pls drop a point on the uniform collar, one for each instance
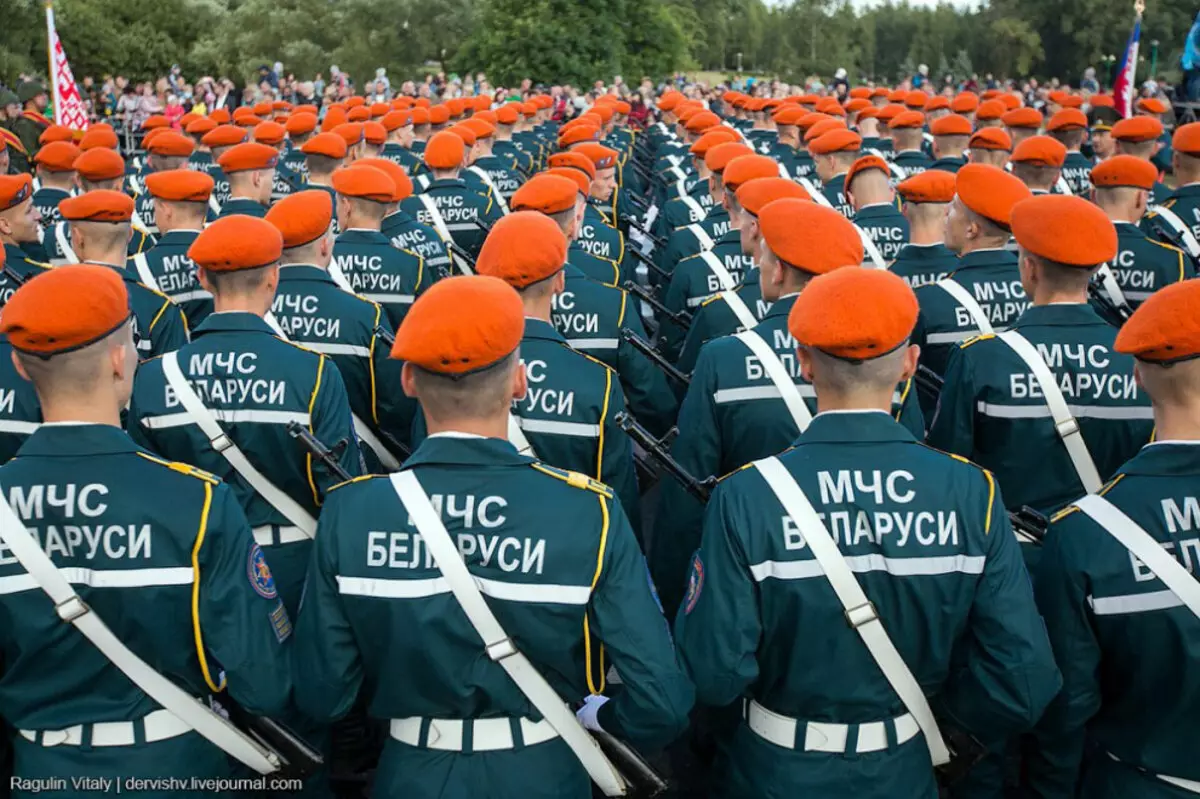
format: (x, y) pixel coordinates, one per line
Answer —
(831, 427)
(876, 210)
(73, 440)
(1166, 458)
(781, 307)
(574, 272)
(731, 236)
(1070, 315)
(180, 236)
(362, 236)
(1128, 230)
(988, 257)
(397, 217)
(458, 450)
(539, 329)
(232, 322)
(444, 183)
(304, 272)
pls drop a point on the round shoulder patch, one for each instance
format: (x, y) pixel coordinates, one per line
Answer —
(695, 584)
(260, 574)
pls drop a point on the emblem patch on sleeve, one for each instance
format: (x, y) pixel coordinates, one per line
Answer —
(260, 574)
(281, 623)
(695, 584)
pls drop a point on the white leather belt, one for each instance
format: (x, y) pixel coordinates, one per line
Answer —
(820, 736)
(159, 726)
(275, 534)
(1191, 786)
(486, 735)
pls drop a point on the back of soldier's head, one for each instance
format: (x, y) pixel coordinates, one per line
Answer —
(238, 260)
(100, 224)
(1036, 176)
(1139, 149)
(1163, 335)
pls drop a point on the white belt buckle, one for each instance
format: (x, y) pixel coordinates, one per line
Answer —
(72, 608)
(221, 442)
(862, 614)
(1067, 427)
(501, 650)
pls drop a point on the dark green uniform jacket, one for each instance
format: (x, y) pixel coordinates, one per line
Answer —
(935, 554)
(381, 272)
(693, 281)
(160, 324)
(204, 162)
(1077, 172)
(835, 192)
(950, 163)
(243, 206)
(992, 410)
(1128, 649)
(460, 207)
(1143, 265)
(406, 233)
(20, 413)
(502, 173)
(1185, 202)
(558, 591)
(684, 210)
(885, 226)
(922, 264)
(256, 383)
(605, 247)
(60, 234)
(715, 318)
(174, 274)
(684, 242)
(161, 553)
(909, 163)
(17, 261)
(46, 200)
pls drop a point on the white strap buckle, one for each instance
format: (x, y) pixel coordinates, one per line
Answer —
(862, 614)
(221, 443)
(501, 650)
(1067, 427)
(72, 608)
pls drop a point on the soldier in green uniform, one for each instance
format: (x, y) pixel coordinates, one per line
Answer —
(99, 168)
(584, 253)
(284, 181)
(178, 579)
(448, 205)
(501, 175)
(250, 167)
(907, 129)
(1140, 137)
(32, 123)
(398, 149)
(926, 259)
(990, 146)
(20, 413)
(14, 148)
(858, 495)
(300, 127)
(591, 316)
(505, 146)
(569, 602)
(834, 153)
(99, 222)
(691, 206)
(951, 135)
(324, 154)
(56, 174)
(600, 235)
(1052, 384)
(18, 226)
(747, 399)
(1180, 214)
(180, 204)
(220, 140)
(1069, 127)
(1109, 612)
(404, 231)
(1122, 187)
(869, 189)
(166, 152)
(314, 311)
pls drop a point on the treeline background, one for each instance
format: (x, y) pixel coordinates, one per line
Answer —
(579, 41)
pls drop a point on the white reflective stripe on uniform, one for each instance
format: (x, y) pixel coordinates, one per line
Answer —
(696, 209)
(859, 611)
(651, 215)
(1191, 786)
(339, 277)
(872, 252)
(952, 337)
(861, 564)
(778, 374)
(746, 318)
(71, 609)
(723, 276)
(1109, 281)
(496, 642)
(1172, 219)
(725, 395)
(144, 274)
(487, 735)
(575, 429)
(18, 427)
(541, 593)
(964, 298)
(158, 725)
(367, 436)
(678, 173)
(105, 578)
(1145, 548)
(277, 535)
(400, 299)
(423, 181)
(233, 416)
(439, 225)
(64, 244)
(516, 436)
(1134, 603)
(334, 348)
(706, 242)
(223, 445)
(1003, 411)
(1064, 421)
(816, 194)
(593, 343)
(491, 184)
(820, 736)
(1063, 187)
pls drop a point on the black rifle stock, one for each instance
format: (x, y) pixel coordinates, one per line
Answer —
(682, 318)
(318, 450)
(657, 449)
(641, 345)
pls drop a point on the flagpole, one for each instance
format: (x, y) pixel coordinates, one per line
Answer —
(50, 58)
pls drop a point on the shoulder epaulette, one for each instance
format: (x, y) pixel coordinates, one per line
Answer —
(742, 468)
(358, 479)
(182, 468)
(1104, 489)
(595, 360)
(574, 479)
(975, 340)
(155, 292)
(1165, 246)
(710, 300)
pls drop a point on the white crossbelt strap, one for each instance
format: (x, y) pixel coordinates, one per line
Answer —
(778, 373)
(859, 610)
(1064, 422)
(214, 205)
(491, 184)
(64, 244)
(1185, 233)
(1111, 287)
(817, 195)
(1063, 187)
(71, 608)
(706, 241)
(439, 225)
(963, 297)
(144, 274)
(223, 444)
(651, 215)
(783, 173)
(723, 275)
(745, 316)
(873, 253)
(500, 648)
(517, 437)
(339, 277)
(691, 203)
(273, 323)
(137, 223)
(1134, 537)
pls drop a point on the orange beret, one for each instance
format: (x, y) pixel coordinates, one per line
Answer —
(364, 184)
(547, 194)
(889, 111)
(329, 145)
(402, 103)
(529, 109)
(375, 133)
(400, 179)
(907, 119)
(578, 177)
(1164, 329)
(1040, 151)
(171, 145)
(854, 314)
(439, 115)
(702, 121)
(930, 186)
(1137, 129)
(379, 109)
(263, 109)
(334, 116)
(991, 94)
(269, 133)
(1023, 118)
(238, 242)
(456, 106)
(669, 100)
(523, 248)
(719, 155)
(487, 116)
(991, 139)
(990, 109)
(603, 157)
(748, 167)
(224, 136)
(714, 137)
(299, 124)
(247, 157)
(156, 121)
(870, 112)
(58, 156)
(355, 101)
(99, 138)
(880, 91)
(1102, 101)
(574, 160)
(916, 99)
(100, 164)
(1011, 101)
(508, 114)
(605, 113)
(394, 120)
(897, 96)
(836, 141)
(756, 194)
(55, 133)
(359, 114)
(303, 217)
(950, 125)
(200, 127)
(964, 103)
(578, 134)
(445, 150)
(101, 126)
(422, 102)
(180, 185)
(461, 325)
(1187, 139)
(864, 164)
(1124, 171)
(809, 236)
(351, 132)
(990, 192)
(832, 107)
(100, 205)
(1152, 105)
(248, 121)
(1065, 229)
(857, 105)
(1072, 101)
(937, 103)
(860, 91)
(1067, 119)
(221, 116)
(812, 118)
(14, 190)
(65, 309)
(463, 132)
(149, 138)
(818, 129)
(420, 116)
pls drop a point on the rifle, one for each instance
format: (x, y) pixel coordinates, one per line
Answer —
(317, 448)
(463, 255)
(657, 449)
(646, 348)
(633, 223)
(649, 262)
(1120, 311)
(683, 318)
(928, 381)
(297, 759)
(1172, 237)
(1029, 525)
(643, 781)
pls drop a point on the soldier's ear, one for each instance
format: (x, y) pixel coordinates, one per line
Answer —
(19, 366)
(912, 355)
(520, 384)
(805, 358)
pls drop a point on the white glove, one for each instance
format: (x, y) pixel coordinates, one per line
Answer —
(587, 713)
